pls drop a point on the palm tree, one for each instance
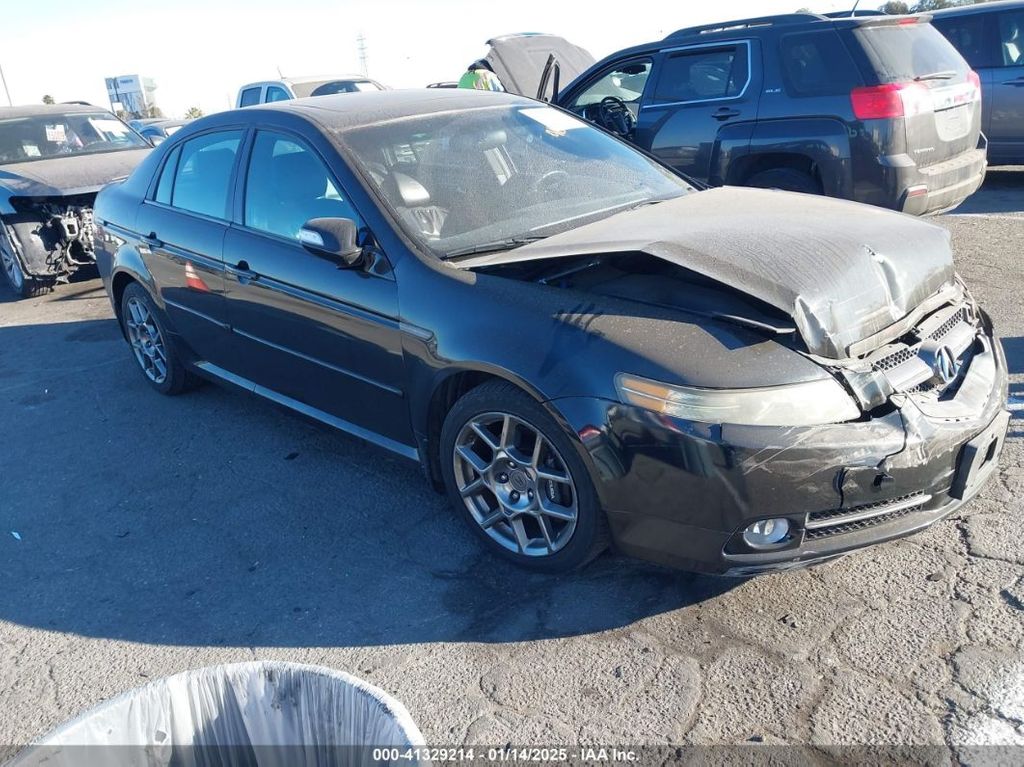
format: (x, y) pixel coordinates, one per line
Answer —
(193, 113)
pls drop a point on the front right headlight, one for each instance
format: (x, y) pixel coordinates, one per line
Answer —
(811, 403)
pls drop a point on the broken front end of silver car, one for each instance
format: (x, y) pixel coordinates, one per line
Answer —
(52, 237)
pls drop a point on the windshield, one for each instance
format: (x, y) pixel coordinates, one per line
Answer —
(496, 177)
(41, 136)
(38, 137)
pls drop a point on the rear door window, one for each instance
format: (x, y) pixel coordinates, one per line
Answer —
(249, 97)
(203, 177)
(166, 183)
(816, 64)
(1011, 38)
(898, 53)
(703, 74)
(967, 34)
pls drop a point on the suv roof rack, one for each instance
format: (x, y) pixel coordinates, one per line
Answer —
(757, 21)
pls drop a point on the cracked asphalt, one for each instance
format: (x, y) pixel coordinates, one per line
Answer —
(159, 534)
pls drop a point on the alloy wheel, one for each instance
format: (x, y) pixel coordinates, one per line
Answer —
(515, 484)
(147, 341)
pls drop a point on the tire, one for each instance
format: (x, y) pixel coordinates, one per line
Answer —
(20, 282)
(493, 483)
(787, 179)
(150, 344)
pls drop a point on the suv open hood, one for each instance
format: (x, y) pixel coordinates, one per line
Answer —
(843, 271)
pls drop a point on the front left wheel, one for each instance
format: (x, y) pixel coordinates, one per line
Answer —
(515, 476)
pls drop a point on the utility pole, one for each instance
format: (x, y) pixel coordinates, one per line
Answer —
(361, 47)
(4, 80)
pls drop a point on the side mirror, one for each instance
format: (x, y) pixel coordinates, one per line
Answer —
(156, 140)
(334, 237)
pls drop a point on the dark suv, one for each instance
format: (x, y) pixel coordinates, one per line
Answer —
(878, 109)
(991, 37)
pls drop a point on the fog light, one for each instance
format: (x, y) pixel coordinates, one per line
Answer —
(766, 533)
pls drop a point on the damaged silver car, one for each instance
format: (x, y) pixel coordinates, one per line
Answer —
(53, 161)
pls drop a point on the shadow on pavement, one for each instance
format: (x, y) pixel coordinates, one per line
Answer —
(1014, 348)
(1001, 193)
(213, 519)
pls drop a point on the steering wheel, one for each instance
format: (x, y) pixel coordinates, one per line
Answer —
(549, 182)
(614, 115)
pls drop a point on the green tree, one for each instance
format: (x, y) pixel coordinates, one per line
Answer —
(895, 8)
(193, 113)
(48, 99)
(153, 111)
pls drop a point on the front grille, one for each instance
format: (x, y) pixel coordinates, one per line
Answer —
(823, 524)
(852, 527)
(896, 359)
(945, 328)
(908, 371)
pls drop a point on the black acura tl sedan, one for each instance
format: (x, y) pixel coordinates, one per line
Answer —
(578, 346)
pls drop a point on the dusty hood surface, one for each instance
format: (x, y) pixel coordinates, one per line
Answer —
(841, 270)
(518, 61)
(73, 174)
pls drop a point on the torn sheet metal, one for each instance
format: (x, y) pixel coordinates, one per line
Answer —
(259, 713)
(844, 272)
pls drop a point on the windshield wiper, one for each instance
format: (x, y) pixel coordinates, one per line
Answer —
(494, 247)
(947, 74)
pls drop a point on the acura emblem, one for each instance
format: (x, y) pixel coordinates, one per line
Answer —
(944, 366)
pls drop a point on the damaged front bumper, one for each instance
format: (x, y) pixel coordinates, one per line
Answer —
(681, 493)
(51, 237)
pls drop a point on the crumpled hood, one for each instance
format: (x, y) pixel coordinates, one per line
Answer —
(68, 175)
(843, 271)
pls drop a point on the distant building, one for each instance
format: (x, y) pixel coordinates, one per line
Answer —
(132, 94)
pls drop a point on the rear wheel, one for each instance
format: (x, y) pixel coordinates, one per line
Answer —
(514, 475)
(787, 179)
(150, 344)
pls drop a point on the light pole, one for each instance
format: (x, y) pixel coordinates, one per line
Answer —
(4, 80)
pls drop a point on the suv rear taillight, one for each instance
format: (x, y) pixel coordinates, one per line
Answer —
(884, 102)
(974, 79)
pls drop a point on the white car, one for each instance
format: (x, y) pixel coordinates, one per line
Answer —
(269, 91)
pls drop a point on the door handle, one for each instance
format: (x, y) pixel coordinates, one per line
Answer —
(153, 241)
(243, 272)
(725, 113)
(1018, 83)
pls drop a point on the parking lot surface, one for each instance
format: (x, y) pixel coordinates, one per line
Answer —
(142, 535)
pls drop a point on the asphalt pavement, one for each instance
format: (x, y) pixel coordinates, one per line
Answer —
(142, 535)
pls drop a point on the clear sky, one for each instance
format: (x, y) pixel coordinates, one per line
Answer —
(200, 51)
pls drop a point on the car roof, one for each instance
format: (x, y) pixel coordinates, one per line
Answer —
(33, 110)
(349, 111)
(989, 7)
